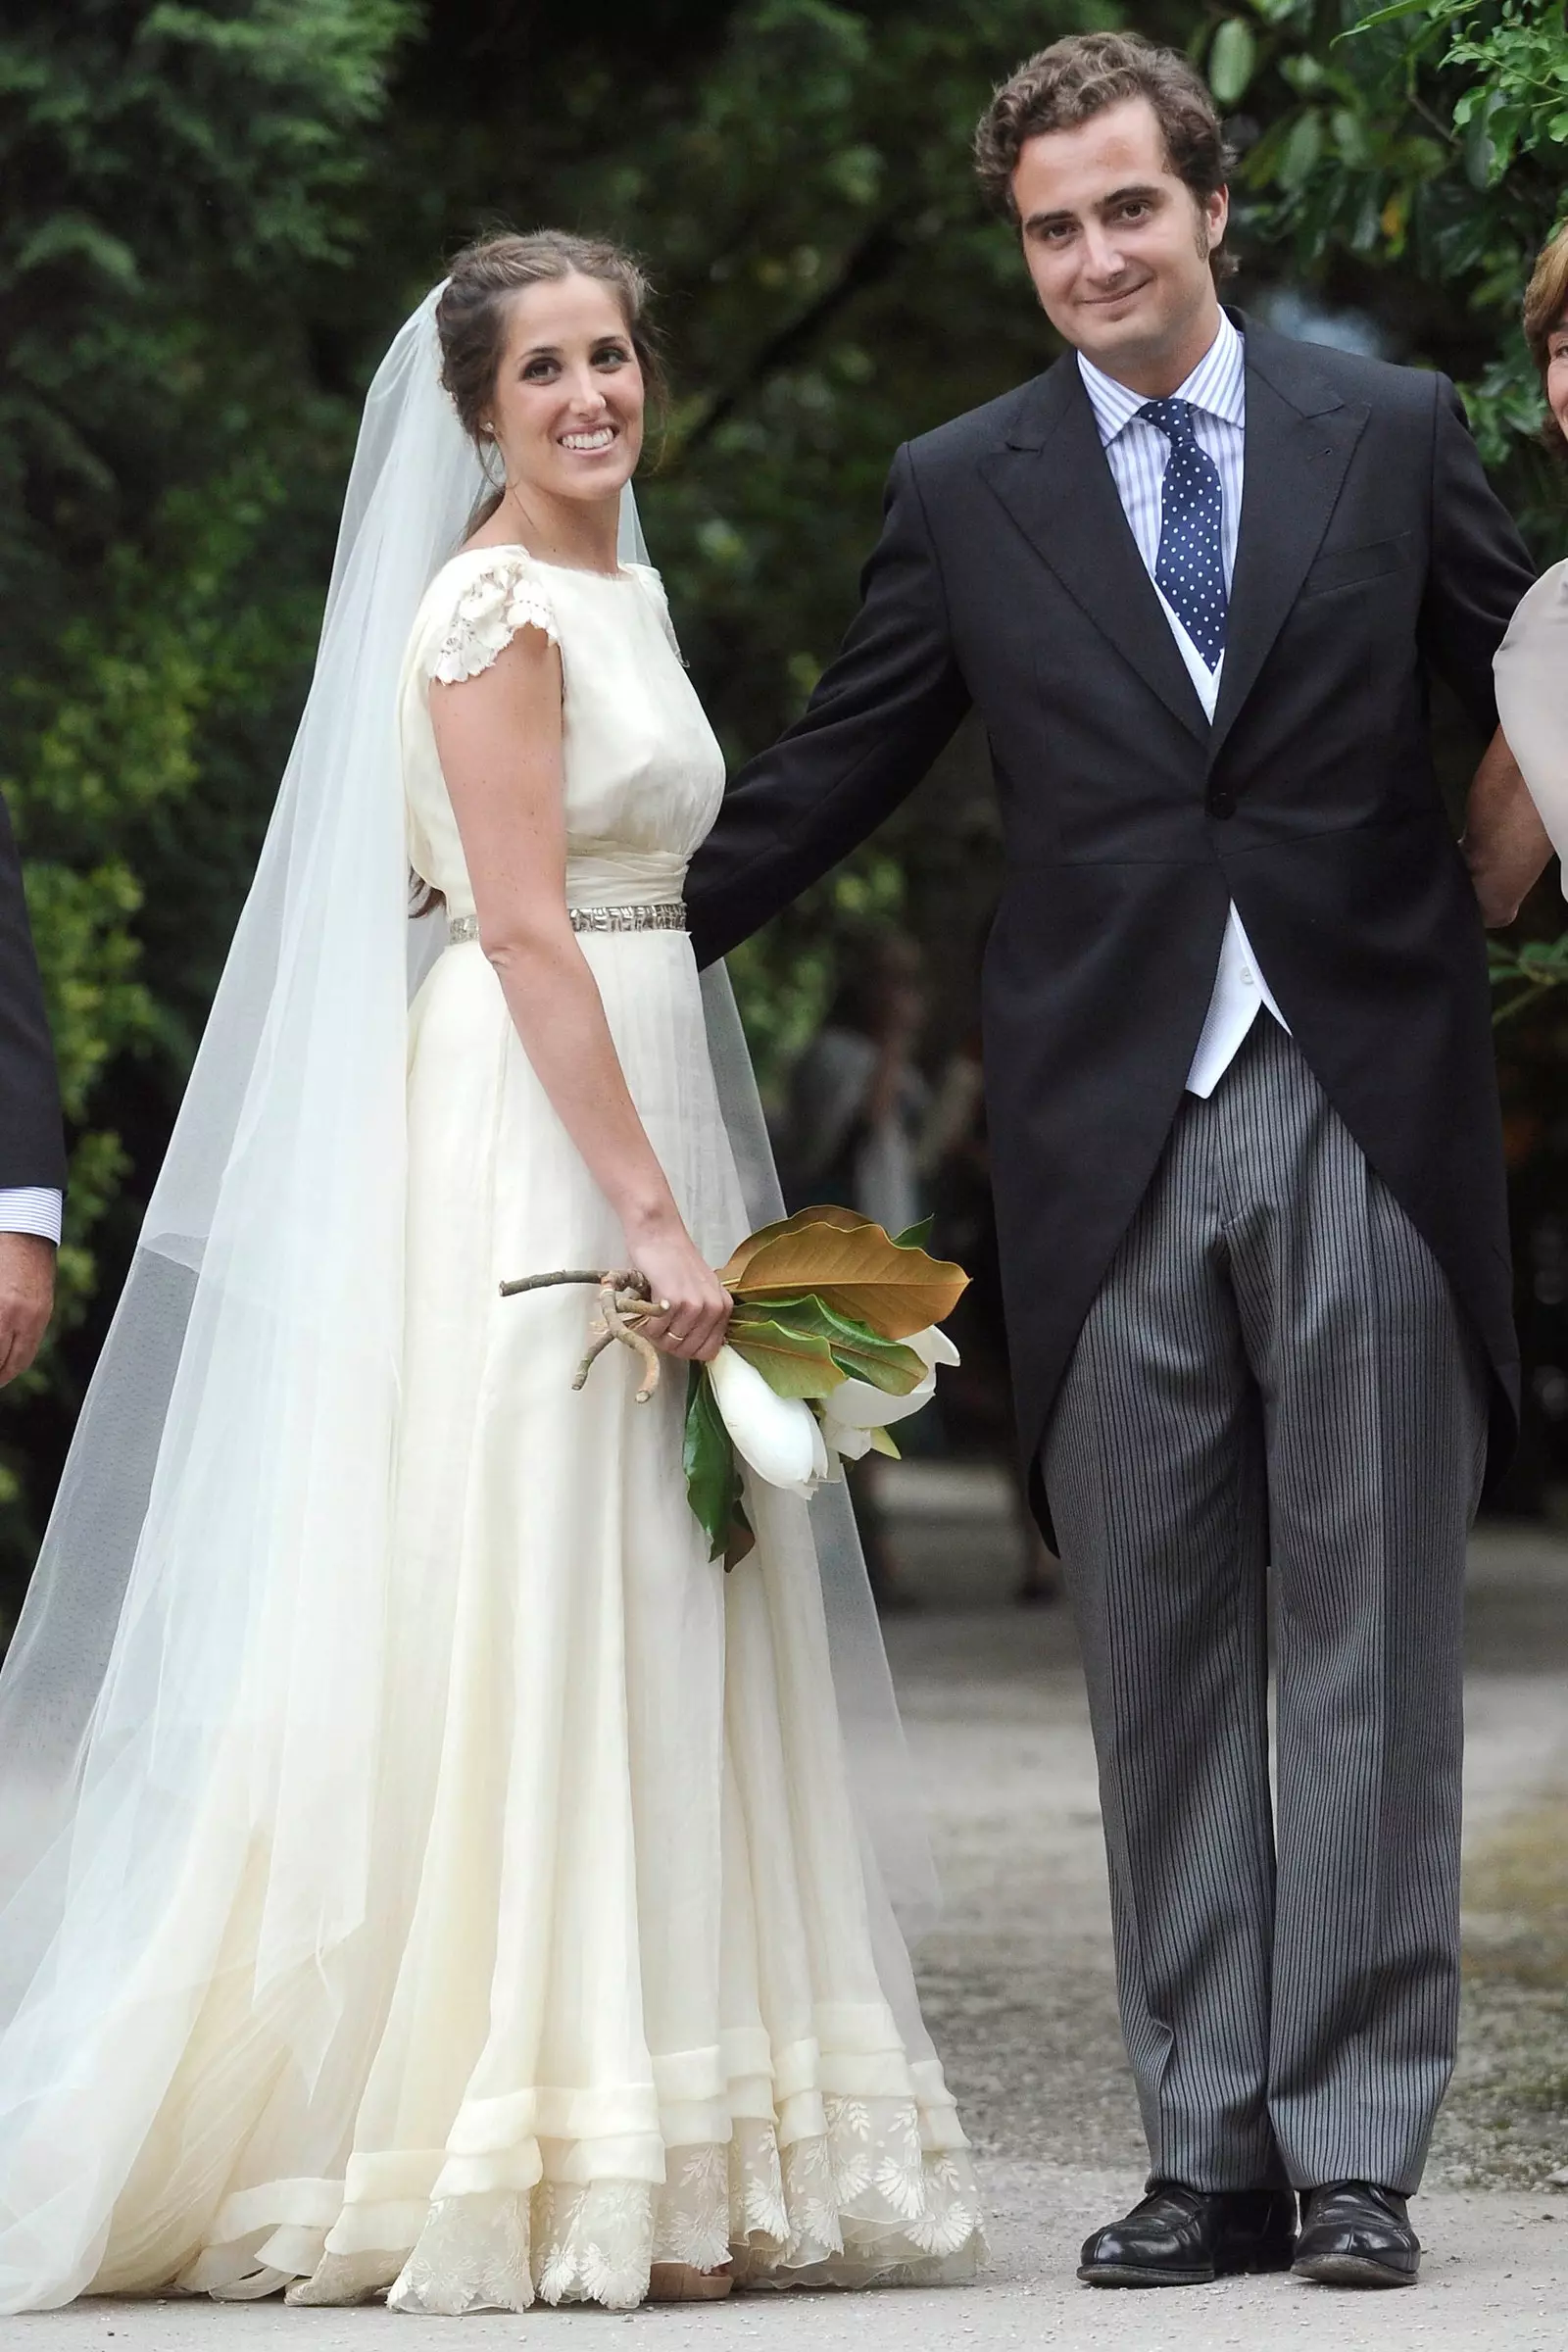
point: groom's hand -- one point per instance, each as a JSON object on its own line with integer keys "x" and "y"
{"x": 27, "y": 1300}
{"x": 1505, "y": 845}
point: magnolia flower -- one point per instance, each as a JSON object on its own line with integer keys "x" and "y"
{"x": 855, "y": 1408}
{"x": 777, "y": 1435}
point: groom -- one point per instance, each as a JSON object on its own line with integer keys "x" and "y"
{"x": 1244, "y": 1119}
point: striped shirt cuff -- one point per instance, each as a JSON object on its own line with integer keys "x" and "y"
{"x": 32, "y": 1208}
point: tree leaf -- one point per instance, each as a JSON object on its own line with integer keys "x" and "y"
{"x": 1385, "y": 15}
{"x": 712, "y": 1474}
{"x": 1301, "y": 150}
{"x": 916, "y": 1236}
{"x": 857, "y": 1270}
{"x": 882, "y": 1442}
{"x": 1232, "y": 61}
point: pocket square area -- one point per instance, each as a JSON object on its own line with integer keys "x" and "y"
{"x": 1349, "y": 566}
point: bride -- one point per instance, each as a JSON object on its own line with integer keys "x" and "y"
{"x": 424, "y": 1872}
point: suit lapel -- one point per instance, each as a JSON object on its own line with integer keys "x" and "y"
{"x": 1300, "y": 440}
{"x": 1051, "y": 475}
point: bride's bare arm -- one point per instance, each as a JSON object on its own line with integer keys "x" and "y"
{"x": 499, "y": 739}
{"x": 1505, "y": 845}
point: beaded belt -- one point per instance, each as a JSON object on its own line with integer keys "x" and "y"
{"x": 660, "y": 915}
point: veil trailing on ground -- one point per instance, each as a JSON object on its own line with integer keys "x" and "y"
{"x": 193, "y": 1695}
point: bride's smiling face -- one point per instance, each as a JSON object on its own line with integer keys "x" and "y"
{"x": 566, "y": 409}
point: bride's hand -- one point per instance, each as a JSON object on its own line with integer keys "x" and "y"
{"x": 693, "y": 1322}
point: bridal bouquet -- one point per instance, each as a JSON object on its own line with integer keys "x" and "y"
{"x": 834, "y": 1335}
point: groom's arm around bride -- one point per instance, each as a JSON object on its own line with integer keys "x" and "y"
{"x": 1195, "y": 580}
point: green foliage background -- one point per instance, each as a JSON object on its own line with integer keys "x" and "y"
{"x": 213, "y": 215}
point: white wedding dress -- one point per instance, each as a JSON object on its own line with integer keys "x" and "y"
{"x": 625, "y": 1991}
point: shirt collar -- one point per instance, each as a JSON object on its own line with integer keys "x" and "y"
{"x": 1217, "y": 384}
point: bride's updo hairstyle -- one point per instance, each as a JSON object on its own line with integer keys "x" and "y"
{"x": 471, "y": 314}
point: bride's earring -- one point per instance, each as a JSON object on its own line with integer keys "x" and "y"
{"x": 492, "y": 464}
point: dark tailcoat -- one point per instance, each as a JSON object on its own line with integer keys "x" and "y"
{"x": 32, "y": 1147}
{"x": 1371, "y": 551}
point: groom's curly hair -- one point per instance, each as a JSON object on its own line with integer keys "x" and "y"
{"x": 1079, "y": 77}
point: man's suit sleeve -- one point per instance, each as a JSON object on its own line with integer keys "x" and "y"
{"x": 1479, "y": 568}
{"x": 880, "y": 714}
{"x": 32, "y": 1144}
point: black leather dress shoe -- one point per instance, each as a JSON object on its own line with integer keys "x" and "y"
{"x": 1354, "y": 2233}
{"x": 1185, "y": 2237}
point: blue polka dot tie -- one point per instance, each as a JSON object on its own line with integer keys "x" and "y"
{"x": 1191, "y": 564}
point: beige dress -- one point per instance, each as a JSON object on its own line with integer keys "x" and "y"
{"x": 1532, "y": 673}
{"x": 626, "y": 1994}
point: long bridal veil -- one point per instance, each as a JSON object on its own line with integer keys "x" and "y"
{"x": 192, "y": 1708}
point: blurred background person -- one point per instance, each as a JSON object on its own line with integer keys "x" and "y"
{"x": 977, "y": 1395}
{"x": 857, "y": 1101}
{"x": 863, "y": 1125}
{"x": 852, "y": 1131}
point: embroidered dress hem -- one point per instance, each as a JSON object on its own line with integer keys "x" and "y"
{"x": 883, "y": 2192}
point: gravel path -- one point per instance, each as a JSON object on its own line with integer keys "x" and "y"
{"x": 1020, "y": 1992}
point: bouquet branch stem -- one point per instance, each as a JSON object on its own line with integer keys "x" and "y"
{"x": 624, "y": 1279}
{"x": 623, "y": 1296}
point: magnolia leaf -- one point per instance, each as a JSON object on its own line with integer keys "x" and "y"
{"x": 858, "y": 1270}
{"x": 793, "y": 1359}
{"x": 740, "y": 1543}
{"x": 914, "y": 1236}
{"x": 881, "y": 1442}
{"x": 858, "y": 1352}
{"x": 896, "y": 1375}
{"x": 712, "y": 1474}
{"x": 845, "y": 1220}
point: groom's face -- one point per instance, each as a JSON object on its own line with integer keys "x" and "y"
{"x": 1117, "y": 245}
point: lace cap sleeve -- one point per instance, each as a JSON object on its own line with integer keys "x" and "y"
{"x": 493, "y": 604}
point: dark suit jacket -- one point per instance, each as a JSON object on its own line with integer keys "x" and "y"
{"x": 32, "y": 1144}
{"x": 1371, "y": 551}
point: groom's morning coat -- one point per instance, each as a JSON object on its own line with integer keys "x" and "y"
{"x": 1371, "y": 551}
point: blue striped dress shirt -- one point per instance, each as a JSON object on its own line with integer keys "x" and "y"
{"x": 1138, "y": 454}
{"x": 32, "y": 1208}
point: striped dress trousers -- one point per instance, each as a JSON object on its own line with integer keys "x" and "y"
{"x": 1275, "y": 1374}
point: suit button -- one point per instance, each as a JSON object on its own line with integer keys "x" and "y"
{"x": 1221, "y": 803}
